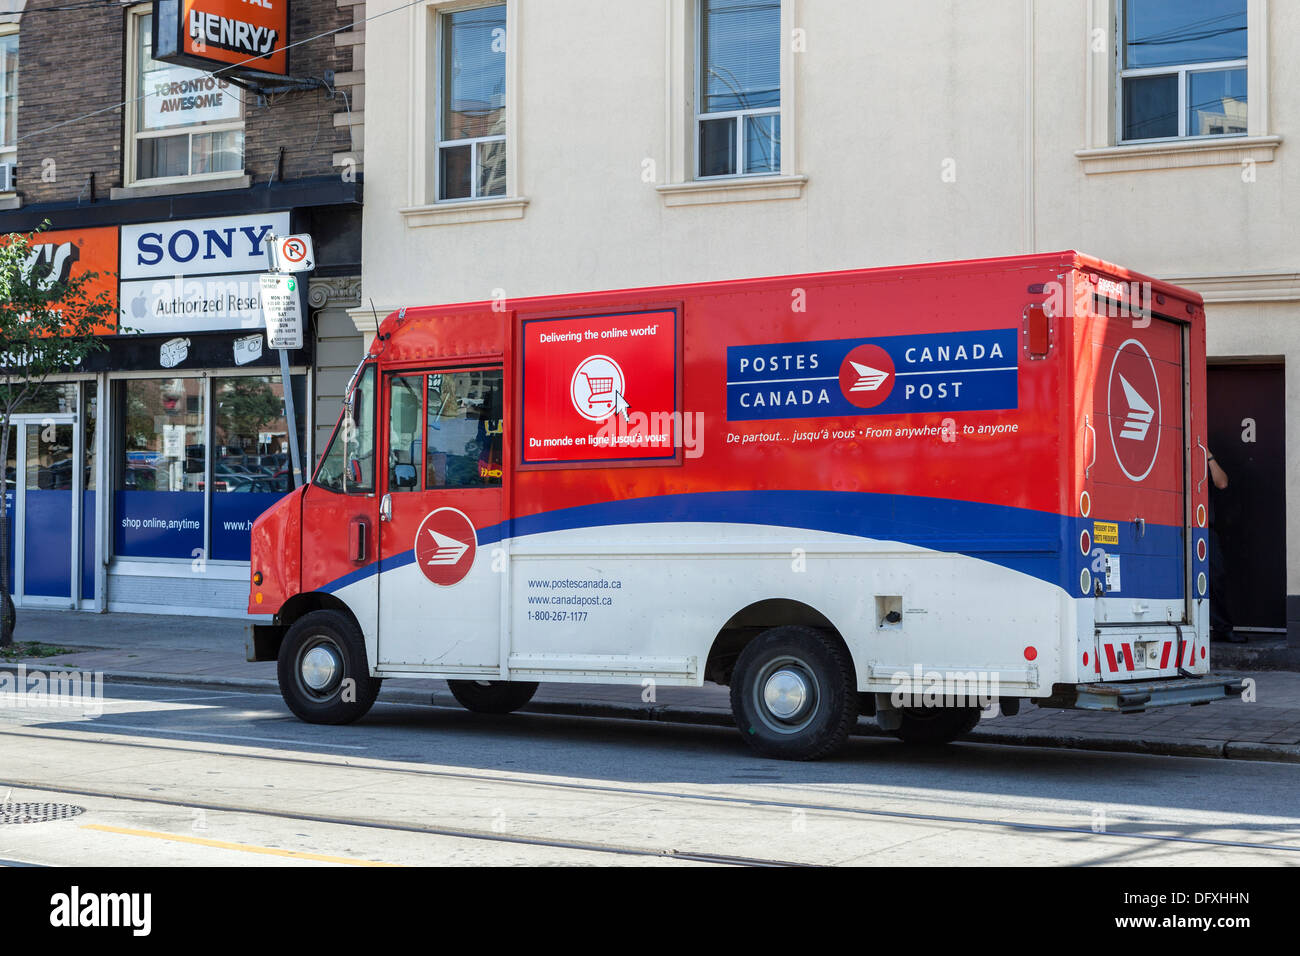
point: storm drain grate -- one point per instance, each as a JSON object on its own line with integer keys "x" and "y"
{"x": 37, "y": 812}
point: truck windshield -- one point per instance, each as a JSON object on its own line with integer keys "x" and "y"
{"x": 348, "y": 465}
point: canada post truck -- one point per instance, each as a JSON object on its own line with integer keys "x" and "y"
{"x": 921, "y": 493}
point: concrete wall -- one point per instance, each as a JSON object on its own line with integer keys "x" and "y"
{"x": 930, "y": 130}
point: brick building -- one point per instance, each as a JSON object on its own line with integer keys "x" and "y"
{"x": 166, "y": 176}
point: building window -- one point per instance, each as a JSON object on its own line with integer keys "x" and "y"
{"x": 8, "y": 100}
{"x": 183, "y": 123}
{"x": 1183, "y": 69}
{"x": 471, "y": 152}
{"x": 197, "y": 461}
{"x": 738, "y": 80}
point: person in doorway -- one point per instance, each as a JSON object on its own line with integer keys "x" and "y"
{"x": 1221, "y": 628}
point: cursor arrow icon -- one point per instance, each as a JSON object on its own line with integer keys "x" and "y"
{"x": 620, "y": 405}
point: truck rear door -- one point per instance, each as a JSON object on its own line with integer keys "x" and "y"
{"x": 1137, "y": 480}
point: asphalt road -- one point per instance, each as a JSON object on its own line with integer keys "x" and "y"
{"x": 177, "y": 776}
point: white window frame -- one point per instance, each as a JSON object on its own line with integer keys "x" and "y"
{"x": 1182, "y": 70}
{"x": 8, "y": 154}
{"x": 680, "y": 186}
{"x": 424, "y": 88}
{"x": 1105, "y": 150}
{"x": 740, "y": 116}
{"x": 473, "y": 142}
{"x": 133, "y": 105}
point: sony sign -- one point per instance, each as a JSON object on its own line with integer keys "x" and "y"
{"x": 196, "y": 275}
{"x": 192, "y": 247}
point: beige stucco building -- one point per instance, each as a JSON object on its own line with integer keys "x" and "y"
{"x": 933, "y": 130}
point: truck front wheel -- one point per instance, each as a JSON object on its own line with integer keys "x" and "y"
{"x": 930, "y": 726}
{"x": 492, "y": 696}
{"x": 324, "y": 677}
{"x": 794, "y": 694}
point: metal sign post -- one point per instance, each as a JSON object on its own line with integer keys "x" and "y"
{"x": 282, "y": 310}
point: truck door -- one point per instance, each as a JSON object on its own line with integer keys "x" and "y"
{"x": 340, "y": 510}
{"x": 1138, "y": 480}
{"x": 440, "y": 515}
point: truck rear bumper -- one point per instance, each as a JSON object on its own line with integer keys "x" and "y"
{"x": 1131, "y": 697}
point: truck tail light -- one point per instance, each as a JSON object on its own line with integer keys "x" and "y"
{"x": 1038, "y": 331}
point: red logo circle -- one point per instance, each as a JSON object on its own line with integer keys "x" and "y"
{"x": 445, "y": 546}
{"x": 295, "y": 250}
{"x": 867, "y": 376}
{"x": 1133, "y": 410}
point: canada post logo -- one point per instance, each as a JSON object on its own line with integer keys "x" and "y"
{"x": 890, "y": 375}
{"x": 1133, "y": 410}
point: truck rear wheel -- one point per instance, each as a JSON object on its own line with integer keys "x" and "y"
{"x": 492, "y": 696}
{"x": 794, "y": 694}
{"x": 324, "y": 677}
{"x": 931, "y": 726}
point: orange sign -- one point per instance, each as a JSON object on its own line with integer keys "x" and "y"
{"x": 251, "y": 33}
{"x": 57, "y": 255}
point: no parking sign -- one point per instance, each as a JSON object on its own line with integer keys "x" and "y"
{"x": 294, "y": 254}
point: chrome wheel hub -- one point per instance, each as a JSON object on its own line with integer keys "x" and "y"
{"x": 786, "y": 693}
{"x": 320, "y": 667}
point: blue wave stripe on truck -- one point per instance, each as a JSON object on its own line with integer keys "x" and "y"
{"x": 1037, "y": 543}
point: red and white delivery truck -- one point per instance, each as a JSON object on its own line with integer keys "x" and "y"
{"x": 906, "y": 492}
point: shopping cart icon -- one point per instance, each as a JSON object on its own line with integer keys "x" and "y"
{"x": 600, "y": 386}
{"x": 597, "y": 387}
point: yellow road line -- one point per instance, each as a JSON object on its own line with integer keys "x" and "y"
{"x": 242, "y": 847}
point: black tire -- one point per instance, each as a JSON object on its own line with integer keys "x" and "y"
{"x": 805, "y": 671}
{"x": 492, "y": 696}
{"x": 343, "y": 649}
{"x": 933, "y": 726}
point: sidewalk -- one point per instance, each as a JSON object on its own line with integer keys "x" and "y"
{"x": 210, "y": 651}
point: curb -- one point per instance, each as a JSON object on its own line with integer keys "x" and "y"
{"x": 1150, "y": 746}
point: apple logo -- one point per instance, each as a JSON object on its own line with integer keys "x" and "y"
{"x": 140, "y": 305}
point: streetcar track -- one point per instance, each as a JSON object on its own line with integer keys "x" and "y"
{"x": 714, "y": 799}
{"x": 427, "y": 830}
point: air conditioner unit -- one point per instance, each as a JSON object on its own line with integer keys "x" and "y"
{"x": 7, "y": 176}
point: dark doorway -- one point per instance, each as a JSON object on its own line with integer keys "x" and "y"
{"x": 1247, "y": 409}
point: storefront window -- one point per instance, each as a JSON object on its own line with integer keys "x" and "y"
{"x": 251, "y": 464}
{"x": 51, "y": 398}
{"x": 162, "y": 504}
{"x": 158, "y": 509}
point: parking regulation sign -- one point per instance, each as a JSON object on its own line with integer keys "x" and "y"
{"x": 283, "y": 311}
{"x": 294, "y": 254}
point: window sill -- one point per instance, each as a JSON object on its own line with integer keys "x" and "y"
{"x": 176, "y": 188}
{"x": 10, "y": 201}
{"x": 1230, "y": 151}
{"x": 741, "y": 189}
{"x": 465, "y": 210}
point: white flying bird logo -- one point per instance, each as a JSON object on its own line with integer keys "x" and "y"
{"x": 449, "y": 550}
{"x": 1139, "y": 413}
{"x": 869, "y": 379}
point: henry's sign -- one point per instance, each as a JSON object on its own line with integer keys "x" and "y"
{"x": 251, "y": 35}
{"x": 196, "y": 275}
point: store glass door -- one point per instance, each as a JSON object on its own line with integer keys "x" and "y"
{"x": 44, "y": 485}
